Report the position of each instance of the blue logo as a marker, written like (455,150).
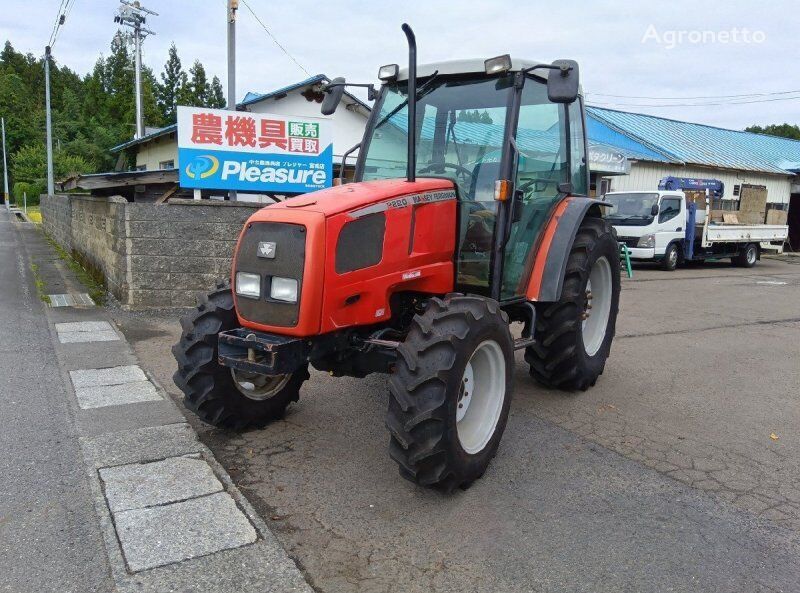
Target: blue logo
(202,166)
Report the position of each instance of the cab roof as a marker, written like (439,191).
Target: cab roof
(463,67)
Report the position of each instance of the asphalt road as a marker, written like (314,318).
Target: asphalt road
(678,471)
(50,539)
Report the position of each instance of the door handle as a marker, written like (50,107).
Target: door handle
(679,229)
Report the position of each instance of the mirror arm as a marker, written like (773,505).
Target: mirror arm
(564,68)
(372,93)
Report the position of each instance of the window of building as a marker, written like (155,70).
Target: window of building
(170,164)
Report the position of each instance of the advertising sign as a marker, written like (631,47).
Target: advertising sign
(261,152)
(608,161)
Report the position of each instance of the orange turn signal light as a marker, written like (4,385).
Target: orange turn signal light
(502,190)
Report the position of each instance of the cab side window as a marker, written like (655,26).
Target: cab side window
(577,149)
(670,208)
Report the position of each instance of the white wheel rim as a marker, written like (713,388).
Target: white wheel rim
(751,255)
(481,397)
(673,256)
(598,306)
(258,387)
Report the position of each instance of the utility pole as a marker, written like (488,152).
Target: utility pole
(5,163)
(48,123)
(132,14)
(233,6)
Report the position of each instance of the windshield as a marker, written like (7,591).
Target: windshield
(460,126)
(631,206)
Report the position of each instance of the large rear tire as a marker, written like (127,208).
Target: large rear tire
(215,393)
(450,392)
(573,335)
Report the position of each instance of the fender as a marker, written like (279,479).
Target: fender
(550,265)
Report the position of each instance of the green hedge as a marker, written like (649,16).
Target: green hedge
(32,189)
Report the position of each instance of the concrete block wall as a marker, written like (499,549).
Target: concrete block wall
(151,255)
(181,248)
(98,239)
(57,219)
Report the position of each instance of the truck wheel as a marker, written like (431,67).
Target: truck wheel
(747,257)
(450,392)
(219,395)
(573,336)
(671,257)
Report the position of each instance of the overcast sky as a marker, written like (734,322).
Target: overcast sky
(676,49)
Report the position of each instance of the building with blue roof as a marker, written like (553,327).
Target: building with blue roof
(627,151)
(668,147)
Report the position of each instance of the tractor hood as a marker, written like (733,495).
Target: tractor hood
(351,196)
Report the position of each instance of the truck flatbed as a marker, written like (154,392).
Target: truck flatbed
(740,233)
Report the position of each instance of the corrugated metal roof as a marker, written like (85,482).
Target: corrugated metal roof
(151,136)
(700,144)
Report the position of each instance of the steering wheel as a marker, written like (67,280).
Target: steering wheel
(530,182)
(458,168)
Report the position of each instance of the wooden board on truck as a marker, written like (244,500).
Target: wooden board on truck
(777,216)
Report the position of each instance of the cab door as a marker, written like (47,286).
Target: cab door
(671,222)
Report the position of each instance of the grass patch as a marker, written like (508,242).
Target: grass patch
(35,214)
(92,279)
(40,285)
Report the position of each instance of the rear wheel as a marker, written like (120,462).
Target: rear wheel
(573,335)
(747,257)
(450,392)
(218,395)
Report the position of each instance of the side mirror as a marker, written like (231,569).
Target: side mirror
(563,83)
(333,94)
(654,210)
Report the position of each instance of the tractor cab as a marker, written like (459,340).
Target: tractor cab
(489,126)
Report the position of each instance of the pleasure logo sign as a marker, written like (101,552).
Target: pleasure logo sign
(259,152)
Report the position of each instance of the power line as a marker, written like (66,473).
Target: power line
(64,10)
(57,23)
(700,97)
(274,40)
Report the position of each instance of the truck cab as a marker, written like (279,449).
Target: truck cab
(648,222)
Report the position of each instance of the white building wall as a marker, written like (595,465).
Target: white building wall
(151,154)
(646,175)
(348,122)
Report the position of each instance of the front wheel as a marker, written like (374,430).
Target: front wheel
(671,256)
(451,391)
(573,335)
(218,395)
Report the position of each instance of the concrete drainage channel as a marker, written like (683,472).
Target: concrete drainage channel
(171,517)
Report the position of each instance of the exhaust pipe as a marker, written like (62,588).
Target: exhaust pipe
(411,170)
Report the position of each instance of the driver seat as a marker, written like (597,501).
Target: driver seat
(483,177)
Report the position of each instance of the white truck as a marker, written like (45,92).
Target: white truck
(661,226)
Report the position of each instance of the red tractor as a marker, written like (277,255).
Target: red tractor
(478,219)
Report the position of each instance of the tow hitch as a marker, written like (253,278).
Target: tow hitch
(256,352)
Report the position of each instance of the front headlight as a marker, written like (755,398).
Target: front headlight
(248,285)
(283,289)
(647,241)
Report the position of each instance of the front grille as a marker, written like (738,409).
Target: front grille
(288,262)
(630,242)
